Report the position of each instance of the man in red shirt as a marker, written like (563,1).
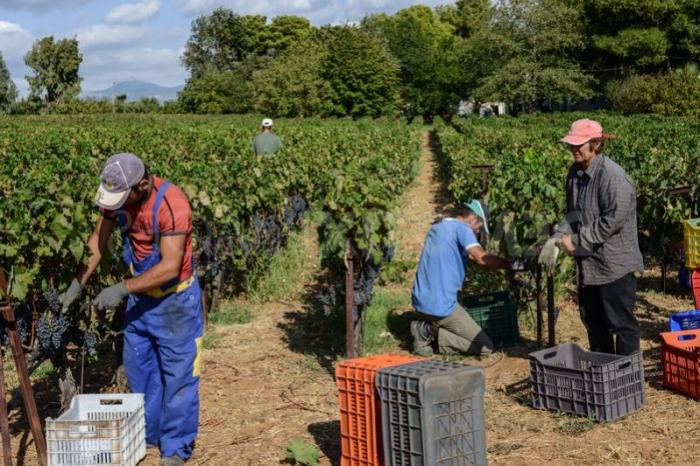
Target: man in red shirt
(162,334)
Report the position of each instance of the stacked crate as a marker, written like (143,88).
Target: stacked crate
(433,414)
(691,249)
(361,439)
(680,355)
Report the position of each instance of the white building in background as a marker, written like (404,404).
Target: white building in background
(486,109)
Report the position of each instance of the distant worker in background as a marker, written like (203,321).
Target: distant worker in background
(442,323)
(266,143)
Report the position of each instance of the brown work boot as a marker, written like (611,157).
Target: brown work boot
(424,336)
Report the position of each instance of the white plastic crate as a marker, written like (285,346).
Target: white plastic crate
(106,429)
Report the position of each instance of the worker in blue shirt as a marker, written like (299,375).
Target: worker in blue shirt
(442,323)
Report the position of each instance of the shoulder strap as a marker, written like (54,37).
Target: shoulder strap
(156,206)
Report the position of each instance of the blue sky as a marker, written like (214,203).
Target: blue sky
(143,39)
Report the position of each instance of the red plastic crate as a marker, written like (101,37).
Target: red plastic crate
(360,408)
(680,354)
(695,286)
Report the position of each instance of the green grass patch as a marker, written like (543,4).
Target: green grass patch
(231,313)
(386,328)
(572,425)
(286,272)
(210,340)
(396,272)
(44,370)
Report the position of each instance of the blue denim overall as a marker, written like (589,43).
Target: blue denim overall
(162,338)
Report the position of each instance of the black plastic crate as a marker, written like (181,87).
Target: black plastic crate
(497,315)
(600,386)
(432,414)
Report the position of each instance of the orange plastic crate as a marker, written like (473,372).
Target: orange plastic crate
(680,353)
(360,408)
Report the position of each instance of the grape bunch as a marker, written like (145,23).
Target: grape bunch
(52,327)
(90,342)
(296,206)
(367,273)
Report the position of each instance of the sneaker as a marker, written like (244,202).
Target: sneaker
(171,461)
(423,337)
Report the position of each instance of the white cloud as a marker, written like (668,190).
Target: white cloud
(7,28)
(40,5)
(105,35)
(15,41)
(133,13)
(319,12)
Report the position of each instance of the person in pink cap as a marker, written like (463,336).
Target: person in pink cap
(600,232)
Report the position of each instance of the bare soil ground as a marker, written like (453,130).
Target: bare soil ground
(270,381)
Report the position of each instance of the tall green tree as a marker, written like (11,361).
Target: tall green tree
(223,39)
(647,35)
(219,42)
(362,72)
(55,65)
(466,16)
(214,91)
(427,50)
(294,84)
(531,46)
(285,31)
(8,90)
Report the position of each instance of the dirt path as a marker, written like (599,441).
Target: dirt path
(423,203)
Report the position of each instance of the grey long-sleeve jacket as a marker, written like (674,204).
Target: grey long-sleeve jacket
(601,206)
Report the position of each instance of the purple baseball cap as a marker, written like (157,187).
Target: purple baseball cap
(121,172)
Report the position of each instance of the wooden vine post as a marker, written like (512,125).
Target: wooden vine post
(350,301)
(8,315)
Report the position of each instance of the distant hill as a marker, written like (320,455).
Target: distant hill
(135,90)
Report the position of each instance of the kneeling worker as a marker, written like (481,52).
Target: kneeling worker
(163,321)
(442,322)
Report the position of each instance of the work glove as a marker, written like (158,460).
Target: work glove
(548,255)
(110,297)
(68,297)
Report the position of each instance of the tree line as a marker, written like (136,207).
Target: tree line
(633,55)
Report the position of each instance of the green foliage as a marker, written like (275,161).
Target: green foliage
(293,85)
(426,50)
(285,31)
(644,46)
(530,47)
(55,65)
(219,42)
(466,16)
(642,33)
(526,186)
(302,453)
(8,90)
(673,93)
(361,71)
(218,92)
(354,171)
